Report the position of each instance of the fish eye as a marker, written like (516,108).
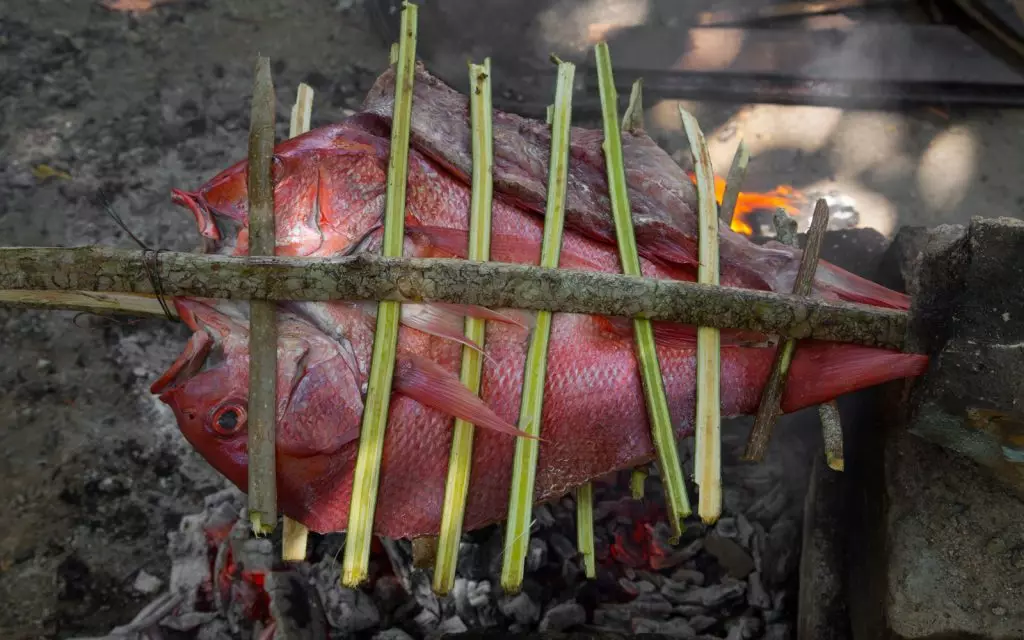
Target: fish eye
(229,420)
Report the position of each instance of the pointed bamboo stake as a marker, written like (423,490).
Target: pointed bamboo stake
(461,458)
(366,477)
(517,531)
(662,431)
(737,172)
(295,534)
(708,462)
(262,405)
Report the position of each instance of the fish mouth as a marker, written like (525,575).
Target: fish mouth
(188,364)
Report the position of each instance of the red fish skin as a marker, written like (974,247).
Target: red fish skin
(594,419)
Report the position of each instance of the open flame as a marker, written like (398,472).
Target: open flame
(784,197)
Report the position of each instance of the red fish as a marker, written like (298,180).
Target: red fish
(329,194)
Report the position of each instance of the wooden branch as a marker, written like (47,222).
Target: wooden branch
(492,284)
(262,406)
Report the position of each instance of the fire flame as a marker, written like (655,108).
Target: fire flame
(784,197)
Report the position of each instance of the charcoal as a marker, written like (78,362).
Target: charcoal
(769,506)
(780,552)
(188,621)
(730,555)
(711,596)
(536,555)
(727,528)
(214,630)
(683,555)
(347,610)
(190,566)
(394,633)
(743,628)
(613,616)
(562,547)
(426,621)
(628,586)
(563,616)
(778,610)
(778,632)
(643,586)
(449,626)
(521,608)
(471,564)
(688,576)
(744,530)
(756,594)
(656,579)
(690,610)
(297,612)
(651,605)
(389,594)
(702,623)
(146,583)
(543,516)
(674,628)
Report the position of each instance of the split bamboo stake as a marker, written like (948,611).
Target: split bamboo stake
(366,477)
(707,429)
(295,534)
(524,470)
(770,409)
(461,458)
(262,406)
(662,431)
(737,172)
(832,431)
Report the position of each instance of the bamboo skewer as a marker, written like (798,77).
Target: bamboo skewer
(707,428)
(262,406)
(295,534)
(517,532)
(366,476)
(737,172)
(585,528)
(662,431)
(769,410)
(461,458)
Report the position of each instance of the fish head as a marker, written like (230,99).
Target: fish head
(329,189)
(319,398)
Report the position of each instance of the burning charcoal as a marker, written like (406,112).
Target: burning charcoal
(730,555)
(254,554)
(347,610)
(537,555)
(688,576)
(702,623)
(673,628)
(520,608)
(394,633)
(563,616)
(711,597)
(727,528)
(756,594)
(745,530)
(677,558)
(778,632)
(146,583)
(190,566)
(769,506)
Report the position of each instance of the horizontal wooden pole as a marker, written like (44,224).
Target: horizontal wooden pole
(492,284)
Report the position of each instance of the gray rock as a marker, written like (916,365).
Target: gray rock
(563,616)
(730,555)
(146,583)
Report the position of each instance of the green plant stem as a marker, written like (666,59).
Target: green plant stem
(461,458)
(366,477)
(524,470)
(585,528)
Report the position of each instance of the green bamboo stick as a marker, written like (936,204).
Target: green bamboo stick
(382,367)
(585,528)
(708,462)
(461,458)
(662,432)
(524,470)
(637,479)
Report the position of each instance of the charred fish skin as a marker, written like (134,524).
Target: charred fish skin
(329,198)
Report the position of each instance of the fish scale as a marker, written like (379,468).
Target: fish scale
(594,417)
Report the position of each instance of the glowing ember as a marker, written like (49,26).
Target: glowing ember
(783,197)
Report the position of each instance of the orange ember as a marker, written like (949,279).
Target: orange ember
(783,197)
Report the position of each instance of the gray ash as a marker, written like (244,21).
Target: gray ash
(734,580)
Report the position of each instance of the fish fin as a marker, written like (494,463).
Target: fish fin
(521,319)
(188,363)
(437,321)
(429,384)
(853,288)
(505,247)
(823,371)
(673,335)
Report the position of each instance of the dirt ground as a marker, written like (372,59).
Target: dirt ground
(130,106)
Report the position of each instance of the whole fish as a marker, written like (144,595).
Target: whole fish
(330,186)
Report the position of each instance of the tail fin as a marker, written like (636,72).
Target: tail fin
(853,288)
(823,371)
